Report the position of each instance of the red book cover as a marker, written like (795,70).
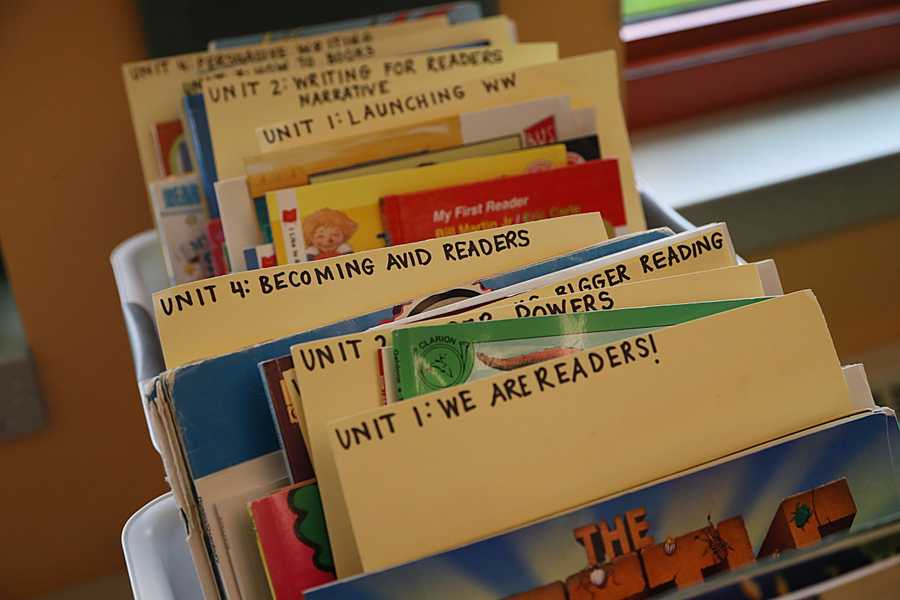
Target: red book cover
(216,237)
(286,422)
(171,148)
(293,540)
(593,186)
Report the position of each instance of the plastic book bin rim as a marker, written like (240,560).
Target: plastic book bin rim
(156,553)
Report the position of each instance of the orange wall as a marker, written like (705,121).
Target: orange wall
(854,275)
(72,190)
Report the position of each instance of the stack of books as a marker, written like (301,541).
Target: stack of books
(421,344)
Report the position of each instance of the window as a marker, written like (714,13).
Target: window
(687,57)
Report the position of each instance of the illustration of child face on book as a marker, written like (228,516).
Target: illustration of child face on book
(326,233)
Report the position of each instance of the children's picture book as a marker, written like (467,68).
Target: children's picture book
(327,220)
(287,422)
(589,187)
(181,220)
(293,540)
(431,358)
(456,12)
(647,392)
(171,148)
(762,510)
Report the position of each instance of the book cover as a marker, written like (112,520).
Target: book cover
(293,540)
(287,423)
(456,12)
(181,220)
(590,80)
(259,257)
(196,121)
(342,217)
(216,239)
(649,393)
(237,105)
(171,148)
(432,358)
(813,490)
(273,302)
(590,187)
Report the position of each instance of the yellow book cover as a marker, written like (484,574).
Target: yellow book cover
(155,87)
(445,469)
(223,314)
(356,371)
(590,80)
(237,105)
(344,216)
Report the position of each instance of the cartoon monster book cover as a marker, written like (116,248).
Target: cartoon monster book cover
(293,539)
(731,516)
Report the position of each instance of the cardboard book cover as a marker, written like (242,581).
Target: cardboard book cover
(589,187)
(326,220)
(431,358)
(760,506)
(293,540)
(171,148)
(731,390)
(456,12)
(287,423)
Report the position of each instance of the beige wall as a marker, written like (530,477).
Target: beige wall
(72,190)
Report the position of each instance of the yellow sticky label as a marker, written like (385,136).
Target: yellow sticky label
(590,80)
(236,106)
(223,314)
(683,395)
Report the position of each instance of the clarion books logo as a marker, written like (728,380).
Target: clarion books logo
(444,361)
(181,196)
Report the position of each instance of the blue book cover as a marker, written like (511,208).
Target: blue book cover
(251,258)
(195,115)
(755,508)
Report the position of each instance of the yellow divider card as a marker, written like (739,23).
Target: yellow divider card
(350,364)
(223,314)
(444,469)
(590,80)
(155,87)
(236,106)
(353,204)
